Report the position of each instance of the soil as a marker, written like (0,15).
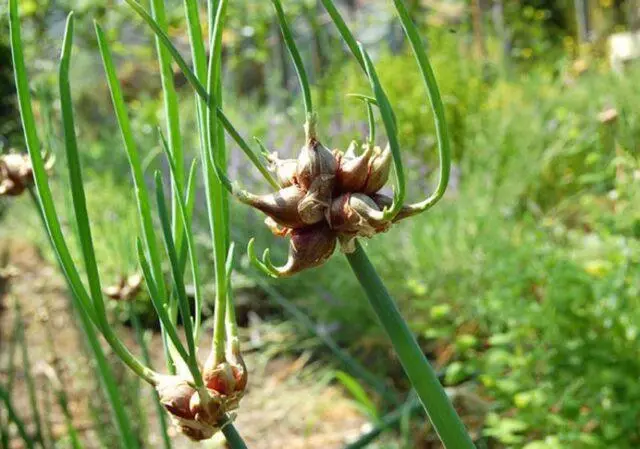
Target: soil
(282,408)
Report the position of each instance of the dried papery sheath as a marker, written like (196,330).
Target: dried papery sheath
(308,248)
(284,169)
(282,206)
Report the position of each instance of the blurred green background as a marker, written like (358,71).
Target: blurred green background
(523,286)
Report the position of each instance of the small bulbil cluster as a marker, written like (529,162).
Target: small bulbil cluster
(16,173)
(325,198)
(200,414)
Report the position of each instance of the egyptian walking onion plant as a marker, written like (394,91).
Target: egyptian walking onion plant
(320,199)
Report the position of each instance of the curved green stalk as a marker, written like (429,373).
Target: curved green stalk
(178,280)
(443,416)
(369,103)
(45,198)
(344,31)
(80,209)
(389,123)
(183,211)
(142,195)
(435,100)
(295,55)
(161,308)
(437,106)
(172,116)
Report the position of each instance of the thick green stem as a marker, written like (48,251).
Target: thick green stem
(443,416)
(234,440)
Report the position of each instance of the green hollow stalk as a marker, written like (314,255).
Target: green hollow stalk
(434,399)
(172,115)
(215,191)
(172,119)
(80,207)
(233,437)
(295,55)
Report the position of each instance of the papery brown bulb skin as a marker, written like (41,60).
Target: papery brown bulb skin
(309,247)
(355,214)
(175,395)
(366,173)
(353,172)
(220,379)
(281,206)
(315,161)
(313,206)
(379,170)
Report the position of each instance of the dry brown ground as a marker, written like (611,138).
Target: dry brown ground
(282,409)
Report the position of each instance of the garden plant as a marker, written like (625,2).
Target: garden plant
(318,201)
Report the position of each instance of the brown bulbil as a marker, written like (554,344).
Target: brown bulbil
(353,171)
(316,162)
(220,379)
(366,173)
(175,395)
(379,170)
(309,247)
(317,200)
(356,214)
(281,206)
